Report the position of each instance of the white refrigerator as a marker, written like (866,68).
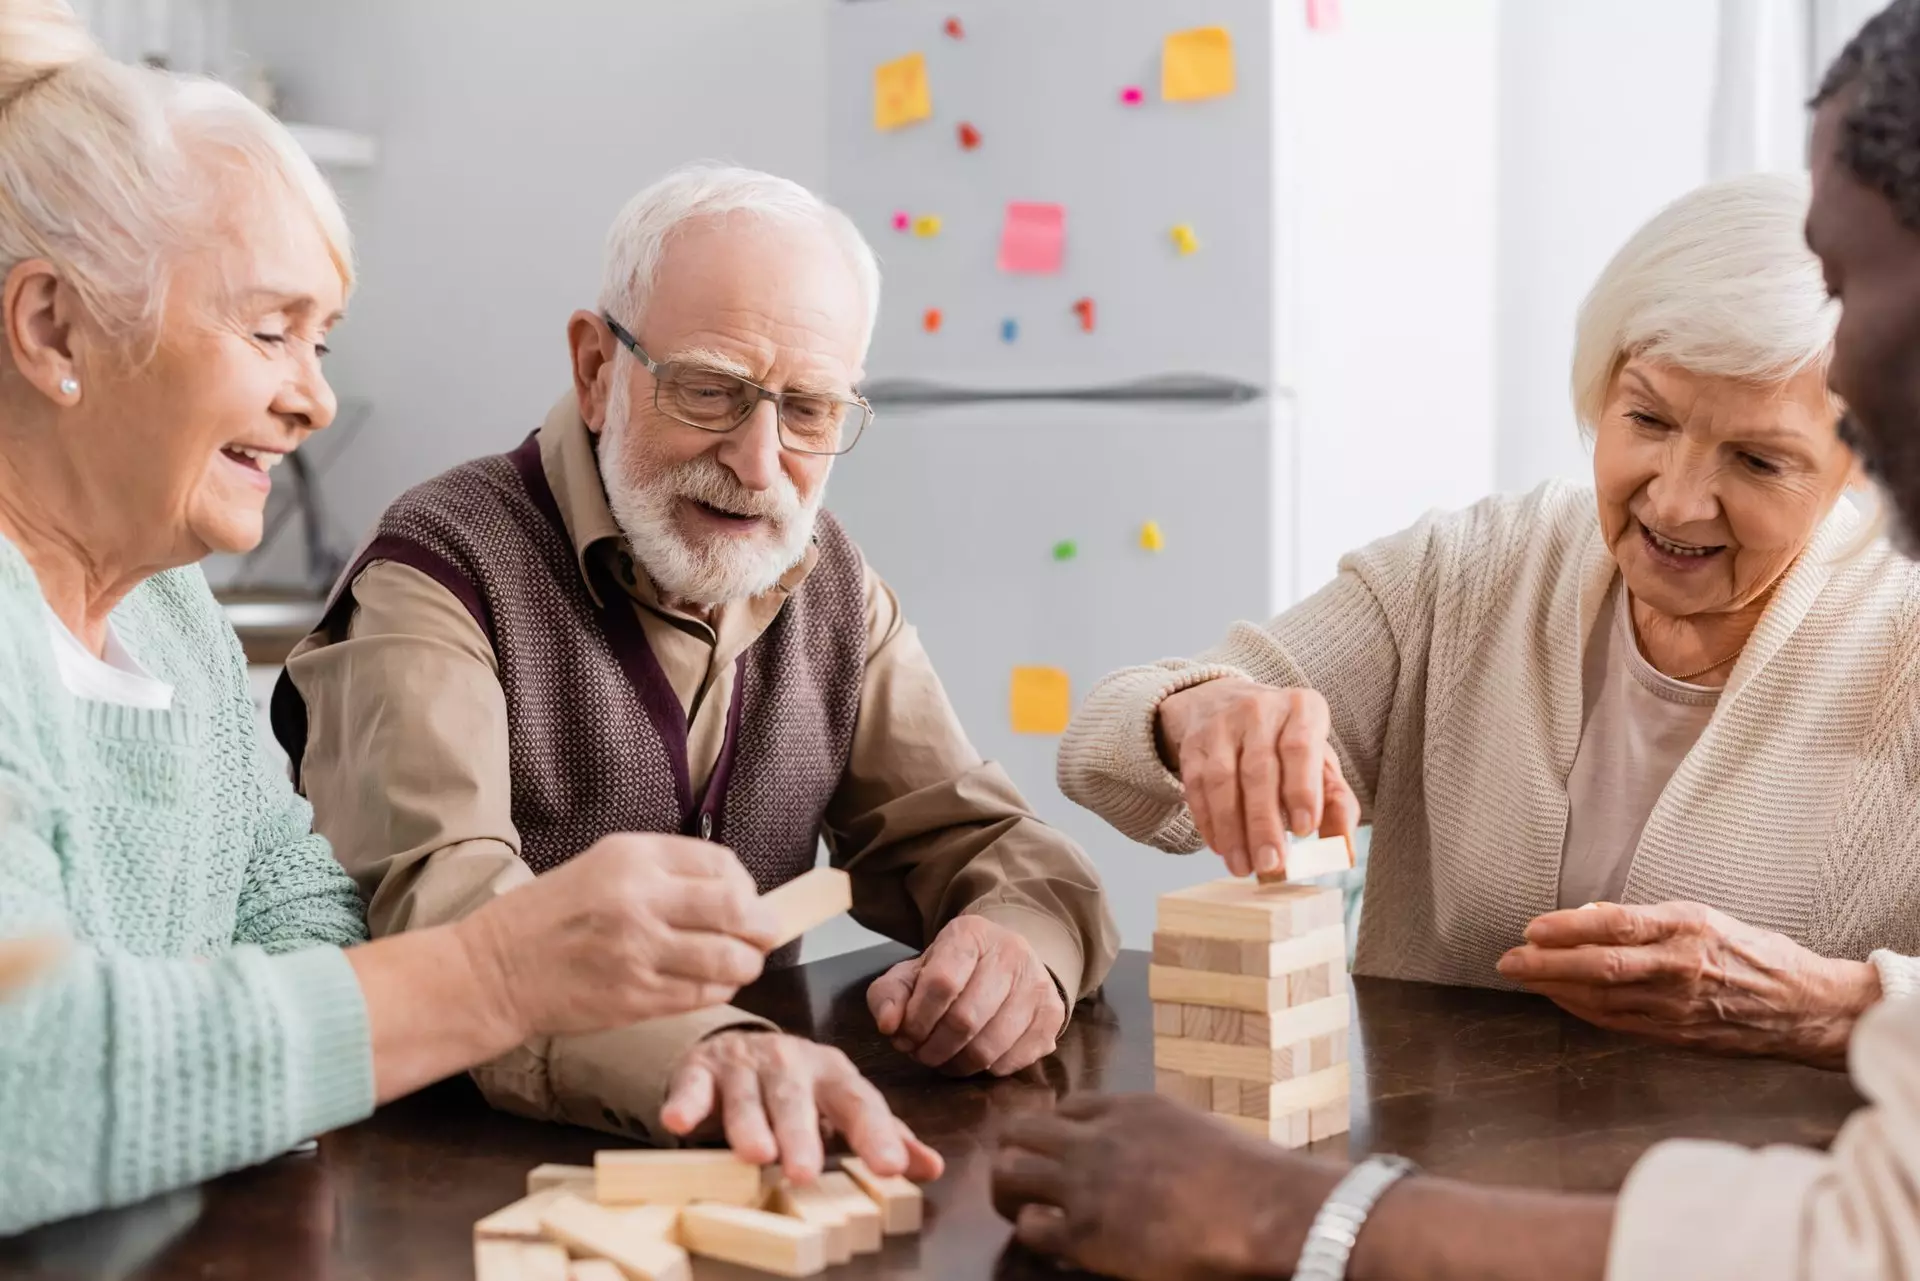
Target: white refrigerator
(992,447)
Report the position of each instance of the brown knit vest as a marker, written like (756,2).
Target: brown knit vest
(598,738)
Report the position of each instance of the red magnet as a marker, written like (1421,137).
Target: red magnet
(1323,15)
(954,28)
(969,137)
(1132,96)
(931,321)
(901,221)
(1084,310)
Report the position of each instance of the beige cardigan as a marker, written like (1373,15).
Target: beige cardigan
(1450,654)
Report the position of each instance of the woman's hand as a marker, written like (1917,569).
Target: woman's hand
(771,1094)
(1688,974)
(1137,1186)
(1256,765)
(637,927)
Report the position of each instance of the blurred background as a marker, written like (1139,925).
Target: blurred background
(1288,316)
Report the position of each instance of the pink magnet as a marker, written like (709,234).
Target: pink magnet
(1132,96)
(901,221)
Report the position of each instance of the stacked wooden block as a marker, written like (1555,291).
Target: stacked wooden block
(1250,1000)
(640,1214)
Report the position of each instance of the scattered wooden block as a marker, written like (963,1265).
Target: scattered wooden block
(899,1200)
(1311,856)
(1246,910)
(519,1221)
(519,1261)
(676,1177)
(594,1270)
(824,1210)
(627,1244)
(810,899)
(863,1216)
(770,1242)
(1194,1091)
(542,1177)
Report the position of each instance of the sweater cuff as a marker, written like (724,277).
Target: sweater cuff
(1110,758)
(617,1080)
(1713,1212)
(330,1051)
(1899,975)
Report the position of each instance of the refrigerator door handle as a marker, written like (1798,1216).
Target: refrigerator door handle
(1184,389)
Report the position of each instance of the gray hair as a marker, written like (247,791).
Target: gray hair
(638,238)
(1720,282)
(104,166)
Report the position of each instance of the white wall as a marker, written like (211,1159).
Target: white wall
(510,135)
(1604,108)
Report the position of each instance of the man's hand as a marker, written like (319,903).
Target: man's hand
(1694,976)
(978,1000)
(772,1094)
(1256,764)
(1137,1186)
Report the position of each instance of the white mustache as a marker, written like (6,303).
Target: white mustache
(705,481)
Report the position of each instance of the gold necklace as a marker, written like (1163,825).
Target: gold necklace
(1709,667)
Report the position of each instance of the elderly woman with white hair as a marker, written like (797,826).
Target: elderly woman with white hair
(1677,695)
(172,264)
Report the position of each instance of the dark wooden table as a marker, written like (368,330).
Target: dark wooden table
(1485,1085)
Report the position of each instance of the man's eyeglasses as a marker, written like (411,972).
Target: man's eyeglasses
(810,422)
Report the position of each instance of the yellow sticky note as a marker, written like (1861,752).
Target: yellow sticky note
(1183,238)
(926,225)
(1196,64)
(1151,539)
(900,93)
(1042,700)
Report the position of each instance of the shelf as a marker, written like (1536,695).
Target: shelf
(339,148)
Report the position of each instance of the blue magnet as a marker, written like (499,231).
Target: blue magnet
(1009,330)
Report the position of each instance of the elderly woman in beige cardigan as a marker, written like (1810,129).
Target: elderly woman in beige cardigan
(1686,694)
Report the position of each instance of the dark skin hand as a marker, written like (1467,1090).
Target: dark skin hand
(1143,1188)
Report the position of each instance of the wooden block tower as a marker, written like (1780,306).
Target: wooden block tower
(1250,1002)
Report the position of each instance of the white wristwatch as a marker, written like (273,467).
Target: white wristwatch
(1331,1236)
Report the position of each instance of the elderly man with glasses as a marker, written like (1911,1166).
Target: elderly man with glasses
(642,620)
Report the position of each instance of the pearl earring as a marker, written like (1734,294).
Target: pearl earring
(70,386)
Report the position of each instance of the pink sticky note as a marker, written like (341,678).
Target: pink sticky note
(1132,96)
(1033,238)
(1323,15)
(901,221)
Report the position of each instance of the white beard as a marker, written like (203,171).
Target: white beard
(706,572)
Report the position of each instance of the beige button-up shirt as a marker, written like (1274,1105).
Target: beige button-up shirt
(408,771)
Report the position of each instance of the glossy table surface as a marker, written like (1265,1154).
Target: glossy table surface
(1488,1085)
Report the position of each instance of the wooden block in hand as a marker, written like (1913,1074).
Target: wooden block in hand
(542,1177)
(635,1248)
(1315,946)
(811,899)
(1246,910)
(899,1200)
(823,1209)
(1194,1091)
(1311,856)
(770,1242)
(519,1261)
(863,1216)
(644,1176)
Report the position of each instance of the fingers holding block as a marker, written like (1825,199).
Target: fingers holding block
(1311,856)
(899,1200)
(809,900)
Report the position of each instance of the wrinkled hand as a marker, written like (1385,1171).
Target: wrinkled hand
(1137,1186)
(636,927)
(773,1094)
(1694,976)
(1256,764)
(978,1000)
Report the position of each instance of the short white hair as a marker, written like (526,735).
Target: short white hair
(104,167)
(1720,282)
(638,238)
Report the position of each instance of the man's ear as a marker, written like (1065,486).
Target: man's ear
(37,311)
(590,347)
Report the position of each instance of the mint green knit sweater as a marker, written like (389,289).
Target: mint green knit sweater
(208,1018)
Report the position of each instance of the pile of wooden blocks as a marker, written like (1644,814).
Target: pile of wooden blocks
(638,1215)
(1250,999)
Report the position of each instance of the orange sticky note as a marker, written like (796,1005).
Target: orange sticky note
(1033,238)
(1196,64)
(900,93)
(1042,700)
